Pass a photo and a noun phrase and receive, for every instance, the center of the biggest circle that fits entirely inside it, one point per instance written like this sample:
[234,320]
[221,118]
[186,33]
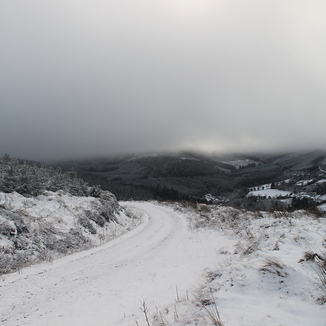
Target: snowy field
[272,193]
[261,277]
[180,266]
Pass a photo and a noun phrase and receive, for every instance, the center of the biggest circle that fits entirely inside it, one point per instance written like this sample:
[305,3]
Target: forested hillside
[224,179]
[31,178]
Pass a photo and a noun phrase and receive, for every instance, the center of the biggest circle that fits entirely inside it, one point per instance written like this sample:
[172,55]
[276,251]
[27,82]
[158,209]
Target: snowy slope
[262,279]
[250,262]
[48,226]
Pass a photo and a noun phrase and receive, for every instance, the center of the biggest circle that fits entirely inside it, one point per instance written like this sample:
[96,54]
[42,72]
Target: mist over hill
[201,177]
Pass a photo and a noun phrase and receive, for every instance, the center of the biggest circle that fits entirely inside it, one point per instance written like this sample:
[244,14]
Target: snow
[322,207]
[48,226]
[320,198]
[104,286]
[262,187]
[259,280]
[239,163]
[304,182]
[273,193]
[214,199]
[244,264]
[189,158]
[56,208]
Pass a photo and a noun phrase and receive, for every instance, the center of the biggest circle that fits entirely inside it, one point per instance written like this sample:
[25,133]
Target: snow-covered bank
[48,226]
[261,278]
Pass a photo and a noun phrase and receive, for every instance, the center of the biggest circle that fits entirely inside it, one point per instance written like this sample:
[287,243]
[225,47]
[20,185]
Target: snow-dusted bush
[48,226]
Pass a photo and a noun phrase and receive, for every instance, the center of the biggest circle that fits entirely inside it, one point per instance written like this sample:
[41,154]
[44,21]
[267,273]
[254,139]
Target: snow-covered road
[105,285]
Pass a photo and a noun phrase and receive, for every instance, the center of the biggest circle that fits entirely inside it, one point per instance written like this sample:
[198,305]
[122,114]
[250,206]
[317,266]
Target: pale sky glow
[81,78]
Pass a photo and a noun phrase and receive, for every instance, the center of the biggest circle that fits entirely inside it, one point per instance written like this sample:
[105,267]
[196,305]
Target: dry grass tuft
[318,263]
[274,267]
[210,306]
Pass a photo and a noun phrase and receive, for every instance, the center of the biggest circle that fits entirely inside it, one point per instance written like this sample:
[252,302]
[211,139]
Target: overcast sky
[101,77]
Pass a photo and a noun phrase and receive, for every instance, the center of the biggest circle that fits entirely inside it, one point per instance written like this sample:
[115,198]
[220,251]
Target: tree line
[30,178]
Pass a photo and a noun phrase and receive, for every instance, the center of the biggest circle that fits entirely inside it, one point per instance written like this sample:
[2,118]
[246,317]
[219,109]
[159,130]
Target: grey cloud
[83,78]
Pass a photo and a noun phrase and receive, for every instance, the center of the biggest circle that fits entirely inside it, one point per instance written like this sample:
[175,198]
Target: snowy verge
[55,224]
[261,278]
